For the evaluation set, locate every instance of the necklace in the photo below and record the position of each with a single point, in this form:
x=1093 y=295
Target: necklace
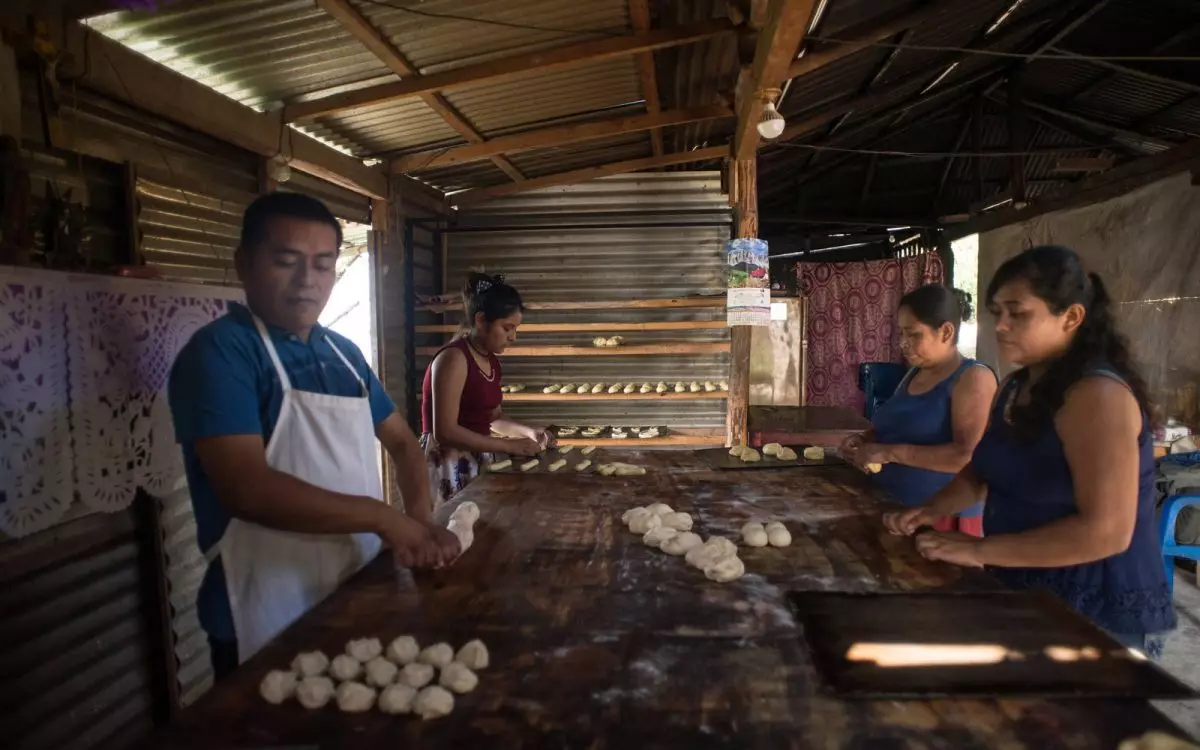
x=488 y=376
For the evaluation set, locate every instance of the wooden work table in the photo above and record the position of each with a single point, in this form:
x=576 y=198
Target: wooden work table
x=804 y=425
x=598 y=641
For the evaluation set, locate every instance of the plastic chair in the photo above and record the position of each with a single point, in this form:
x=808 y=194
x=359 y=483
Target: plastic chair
x=878 y=381
x=1168 y=515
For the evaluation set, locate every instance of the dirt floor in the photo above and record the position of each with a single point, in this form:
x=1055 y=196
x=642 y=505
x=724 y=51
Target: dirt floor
x=1182 y=655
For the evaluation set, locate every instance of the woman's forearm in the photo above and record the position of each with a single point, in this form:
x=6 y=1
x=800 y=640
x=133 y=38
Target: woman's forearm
x=948 y=457
x=963 y=491
x=1068 y=541
x=512 y=428
x=457 y=436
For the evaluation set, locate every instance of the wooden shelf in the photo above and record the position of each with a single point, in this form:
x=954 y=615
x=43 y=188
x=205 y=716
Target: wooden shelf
x=631 y=350
x=665 y=325
x=670 y=395
x=622 y=304
x=698 y=439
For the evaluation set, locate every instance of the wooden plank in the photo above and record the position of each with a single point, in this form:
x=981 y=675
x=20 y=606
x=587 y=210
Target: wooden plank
x=557 y=136
x=639 y=19
x=658 y=325
x=620 y=304
x=479 y=195
x=669 y=441
x=633 y=350
x=669 y=396
x=541 y=61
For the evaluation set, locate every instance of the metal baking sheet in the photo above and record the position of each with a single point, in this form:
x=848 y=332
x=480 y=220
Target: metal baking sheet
x=719 y=458
x=546 y=458
x=989 y=644
x=606 y=433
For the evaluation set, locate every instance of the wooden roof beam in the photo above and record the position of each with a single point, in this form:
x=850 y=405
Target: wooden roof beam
x=557 y=136
x=589 y=173
x=361 y=28
x=639 y=18
x=541 y=61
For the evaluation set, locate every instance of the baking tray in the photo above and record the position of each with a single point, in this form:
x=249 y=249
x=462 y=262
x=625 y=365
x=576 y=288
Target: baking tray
x=606 y=433
x=1046 y=650
x=545 y=459
x=719 y=458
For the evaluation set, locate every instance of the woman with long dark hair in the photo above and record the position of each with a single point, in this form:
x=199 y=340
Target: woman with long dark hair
x=461 y=397
x=926 y=432
x=1067 y=462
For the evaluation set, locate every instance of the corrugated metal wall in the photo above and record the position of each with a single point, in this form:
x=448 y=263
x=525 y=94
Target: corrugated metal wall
x=627 y=237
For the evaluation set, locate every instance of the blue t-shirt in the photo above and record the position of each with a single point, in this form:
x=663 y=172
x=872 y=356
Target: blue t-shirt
x=223 y=383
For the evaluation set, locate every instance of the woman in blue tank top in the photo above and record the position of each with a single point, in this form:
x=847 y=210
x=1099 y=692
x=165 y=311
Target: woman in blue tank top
x=1066 y=463
x=925 y=433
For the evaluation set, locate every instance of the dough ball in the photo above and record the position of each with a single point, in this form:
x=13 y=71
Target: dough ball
x=754 y=535
x=736 y=451
x=415 y=675
x=814 y=453
x=643 y=522
x=474 y=655
x=771 y=449
x=355 y=697
x=606 y=469
x=403 y=650
x=709 y=552
x=277 y=686
x=659 y=509
x=397 y=699
x=786 y=454
x=439 y=655
x=310 y=664
x=629 y=514
x=678 y=521
x=779 y=536
x=468 y=512
x=750 y=456
x=656 y=536
x=344 y=668
x=680 y=544
x=432 y=702
x=364 y=649
x=725 y=569
x=380 y=672
x=314 y=692
x=457 y=677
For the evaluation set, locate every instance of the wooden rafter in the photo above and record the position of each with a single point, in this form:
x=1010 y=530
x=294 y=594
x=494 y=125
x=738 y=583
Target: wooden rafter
x=540 y=61
x=1109 y=75
x=959 y=140
x=361 y=28
x=639 y=18
x=590 y=173
x=556 y=136
x=1106 y=127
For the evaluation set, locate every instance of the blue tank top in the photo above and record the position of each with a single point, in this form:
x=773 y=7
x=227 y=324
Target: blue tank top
x=1029 y=485
x=924 y=419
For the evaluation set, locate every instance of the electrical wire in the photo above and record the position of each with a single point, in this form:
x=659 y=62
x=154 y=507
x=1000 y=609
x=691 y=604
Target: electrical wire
x=491 y=22
x=1014 y=55
x=940 y=154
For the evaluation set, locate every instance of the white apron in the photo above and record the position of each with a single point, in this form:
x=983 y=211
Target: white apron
x=272 y=576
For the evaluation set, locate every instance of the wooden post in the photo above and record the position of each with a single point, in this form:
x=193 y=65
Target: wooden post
x=745 y=182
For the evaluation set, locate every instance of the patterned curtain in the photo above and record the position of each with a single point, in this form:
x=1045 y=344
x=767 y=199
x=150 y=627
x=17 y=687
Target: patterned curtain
x=852 y=319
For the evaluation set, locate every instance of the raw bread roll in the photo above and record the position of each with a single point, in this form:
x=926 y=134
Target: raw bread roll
x=364 y=649
x=786 y=454
x=680 y=387
x=582 y=465
x=724 y=385
x=771 y=449
x=659 y=509
x=598 y=388
x=462 y=524
x=628 y=515
x=397 y=699
x=551 y=388
x=628 y=470
x=656 y=536
x=314 y=692
x=589 y=450
x=345 y=668
x=709 y=386
x=694 y=387
x=310 y=664
x=516 y=388
x=681 y=544
x=725 y=569
x=585 y=388
x=415 y=675
x=474 y=655
x=557 y=464
x=439 y=655
x=380 y=672
x=778 y=535
x=403 y=650
x=645 y=388
x=709 y=552
x=600 y=341
x=814 y=453
x=498 y=465
x=754 y=535
x=565 y=450
x=606 y=469
x=630 y=388
x=641 y=522
x=737 y=450
x=457 y=677
x=661 y=387
x=355 y=697
x=531 y=463
x=749 y=455
x=678 y=521
x=432 y=702
x=277 y=686
x=615 y=388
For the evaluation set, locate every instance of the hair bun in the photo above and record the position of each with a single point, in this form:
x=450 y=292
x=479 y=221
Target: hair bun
x=964 y=303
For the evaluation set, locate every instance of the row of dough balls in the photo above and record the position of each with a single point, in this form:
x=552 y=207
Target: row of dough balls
x=755 y=534
x=670 y=531
x=514 y=388
x=695 y=386
x=402 y=677
x=608 y=341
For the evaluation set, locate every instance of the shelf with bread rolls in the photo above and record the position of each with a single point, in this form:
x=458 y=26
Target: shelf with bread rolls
x=679 y=437
x=629 y=350
x=454 y=304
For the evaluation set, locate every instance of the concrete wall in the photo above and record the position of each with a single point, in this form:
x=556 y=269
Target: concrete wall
x=1146 y=246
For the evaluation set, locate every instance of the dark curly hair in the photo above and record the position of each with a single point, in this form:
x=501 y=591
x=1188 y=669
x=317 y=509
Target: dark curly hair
x=488 y=294
x=935 y=305
x=1056 y=275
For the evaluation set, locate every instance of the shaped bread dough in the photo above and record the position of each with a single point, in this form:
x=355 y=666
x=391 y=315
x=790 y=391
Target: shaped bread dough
x=457 y=677
x=564 y=450
x=678 y=521
x=724 y=385
x=680 y=544
x=462 y=524
x=709 y=386
x=778 y=535
x=725 y=569
x=355 y=697
x=694 y=387
x=314 y=692
x=614 y=388
x=659 y=509
x=656 y=536
x=754 y=535
x=415 y=675
x=555 y=466
x=749 y=455
x=628 y=470
x=582 y=465
x=397 y=699
x=598 y=388
x=439 y=655
x=473 y=654
x=588 y=450
x=814 y=453
x=661 y=387
x=551 y=388
x=680 y=387
x=530 y=464
x=403 y=650
x=277 y=686
x=737 y=450
x=628 y=515
x=310 y=664
x=585 y=388
x=629 y=388
x=709 y=552
x=345 y=668
x=640 y=523
x=600 y=341
x=432 y=702
x=645 y=388
x=771 y=449
x=786 y=454
x=380 y=672
x=364 y=649
x=498 y=465
x=616 y=340
x=606 y=469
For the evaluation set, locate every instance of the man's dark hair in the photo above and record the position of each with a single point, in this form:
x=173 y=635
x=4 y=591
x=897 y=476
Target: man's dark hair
x=258 y=215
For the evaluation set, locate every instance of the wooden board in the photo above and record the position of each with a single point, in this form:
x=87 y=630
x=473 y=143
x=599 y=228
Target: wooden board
x=599 y=642
x=572 y=458
x=1051 y=650
x=809 y=425
x=537 y=395
x=719 y=458
x=627 y=350
x=654 y=325
x=455 y=305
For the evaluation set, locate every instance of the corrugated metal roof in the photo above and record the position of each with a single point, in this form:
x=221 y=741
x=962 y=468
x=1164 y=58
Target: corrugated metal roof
x=587 y=154
x=458 y=177
x=696 y=74
x=388 y=126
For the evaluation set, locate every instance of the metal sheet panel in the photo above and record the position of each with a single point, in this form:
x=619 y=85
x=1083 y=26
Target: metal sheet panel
x=578 y=156
x=345 y=204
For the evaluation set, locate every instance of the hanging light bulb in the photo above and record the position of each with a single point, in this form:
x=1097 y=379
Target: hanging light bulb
x=770 y=125
x=278 y=169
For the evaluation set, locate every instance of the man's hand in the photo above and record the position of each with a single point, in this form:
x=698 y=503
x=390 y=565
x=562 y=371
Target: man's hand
x=906 y=523
x=412 y=542
x=446 y=543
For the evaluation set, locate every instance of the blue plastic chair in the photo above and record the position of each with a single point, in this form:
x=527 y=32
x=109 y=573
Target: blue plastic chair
x=1168 y=515
x=878 y=381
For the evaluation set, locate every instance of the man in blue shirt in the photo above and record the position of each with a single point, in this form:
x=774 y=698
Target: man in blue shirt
x=278 y=420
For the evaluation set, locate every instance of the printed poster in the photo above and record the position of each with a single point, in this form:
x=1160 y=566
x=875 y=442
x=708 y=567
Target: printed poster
x=748 y=300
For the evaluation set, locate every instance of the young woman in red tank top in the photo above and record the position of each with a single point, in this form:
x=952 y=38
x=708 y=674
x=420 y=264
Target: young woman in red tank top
x=461 y=399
